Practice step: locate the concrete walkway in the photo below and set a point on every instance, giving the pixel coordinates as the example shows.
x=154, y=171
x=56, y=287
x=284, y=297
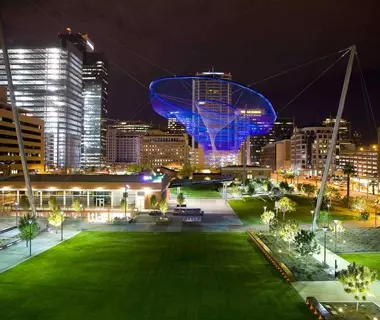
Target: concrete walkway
x=331, y=291
x=19, y=253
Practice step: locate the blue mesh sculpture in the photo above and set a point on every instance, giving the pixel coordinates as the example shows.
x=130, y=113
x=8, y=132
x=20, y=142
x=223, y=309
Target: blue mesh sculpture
x=219, y=114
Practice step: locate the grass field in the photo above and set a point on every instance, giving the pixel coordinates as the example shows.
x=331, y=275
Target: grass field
x=207, y=191
x=149, y=276
x=250, y=209
x=371, y=260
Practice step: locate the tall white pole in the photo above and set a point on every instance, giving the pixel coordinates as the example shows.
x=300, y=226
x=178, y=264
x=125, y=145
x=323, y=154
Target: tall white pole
x=16, y=120
x=334, y=135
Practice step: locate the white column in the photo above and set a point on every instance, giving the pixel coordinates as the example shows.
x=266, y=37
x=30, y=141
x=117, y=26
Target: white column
x=64, y=198
x=111, y=198
x=88, y=199
x=18, y=196
x=41, y=199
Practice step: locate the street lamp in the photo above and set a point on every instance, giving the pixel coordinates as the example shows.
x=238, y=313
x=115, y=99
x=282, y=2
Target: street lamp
x=16, y=205
x=61, y=226
x=30, y=221
x=265, y=208
x=335, y=228
x=125, y=200
x=328, y=214
x=324, y=253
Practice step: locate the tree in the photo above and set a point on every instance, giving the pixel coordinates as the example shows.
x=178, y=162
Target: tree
x=360, y=204
x=186, y=171
x=251, y=189
x=348, y=170
x=153, y=201
x=267, y=217
x=286, y=205
x=55, y=217
x=332, y=193
x=163, y=205
x=123, y=204
x=24, y=203
x=235, y=191
x=288, y=231
x=76, y=205
x=180, y=198
x=306, y=243
x=28, y=227
x=356, y=281
x=323, y=218
x=308, y=189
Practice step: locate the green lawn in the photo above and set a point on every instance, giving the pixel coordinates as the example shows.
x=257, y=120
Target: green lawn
x=371, y=260
x=207, y=191
x=249, y=210
x=149, y=276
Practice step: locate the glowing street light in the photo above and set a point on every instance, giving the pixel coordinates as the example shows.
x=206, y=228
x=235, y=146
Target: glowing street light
x=324, y=252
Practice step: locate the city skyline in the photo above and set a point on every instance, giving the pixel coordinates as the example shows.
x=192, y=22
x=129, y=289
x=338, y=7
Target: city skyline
x=249, y=56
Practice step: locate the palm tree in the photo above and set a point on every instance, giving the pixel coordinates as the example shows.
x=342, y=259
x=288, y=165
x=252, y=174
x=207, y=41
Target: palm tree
x=348, y=170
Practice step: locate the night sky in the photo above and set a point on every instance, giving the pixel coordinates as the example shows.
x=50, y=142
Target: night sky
x=251, y=39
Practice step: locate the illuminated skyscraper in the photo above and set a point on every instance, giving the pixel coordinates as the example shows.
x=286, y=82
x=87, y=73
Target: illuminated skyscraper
x=95, y=71
x=48, y=84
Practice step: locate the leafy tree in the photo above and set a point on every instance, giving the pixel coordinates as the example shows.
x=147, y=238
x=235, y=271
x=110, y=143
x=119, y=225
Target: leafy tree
x=274, y=226
x=76, y=205
x=187, y=170
x=288, y=231
x=364, y=216
x=306, y=243
x=286, y=205
x=55, y=217
x=360, y=204
x=123, y=204
x=28, y=227
x=24, y=203
x=324, y=204
x=163, y=205
x=267, y=217
x=308, y=189
x=235, y=191
x=356, y=281
x=153, y=201
x=251, y=189
x=348, y=170
x=180, y=198
x=332, y=194
x=323, y=218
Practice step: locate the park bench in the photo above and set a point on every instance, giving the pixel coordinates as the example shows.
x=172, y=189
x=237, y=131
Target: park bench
x=192, y=219
x=188, y=212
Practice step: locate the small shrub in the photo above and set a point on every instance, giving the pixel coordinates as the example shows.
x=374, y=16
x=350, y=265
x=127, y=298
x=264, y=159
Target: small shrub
x=306, y=243
x=364, y=216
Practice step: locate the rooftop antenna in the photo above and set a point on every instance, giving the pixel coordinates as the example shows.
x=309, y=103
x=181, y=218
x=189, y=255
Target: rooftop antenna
x=330, y=153
x=17, y=120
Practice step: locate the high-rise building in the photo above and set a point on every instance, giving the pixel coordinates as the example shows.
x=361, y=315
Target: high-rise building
x=217, y=95
x=122, y=147
x=309, y=147
x=95, y=74
x=33, y=135
x=344, y=131
x=95, y=71
x=175, y=127
x=357, y=137
x=138, y=127
x=48, y=84
x=159, y=148
x=281, y=130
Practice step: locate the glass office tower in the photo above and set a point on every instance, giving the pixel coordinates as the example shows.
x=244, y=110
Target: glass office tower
x=95, y=71
x=48, y=83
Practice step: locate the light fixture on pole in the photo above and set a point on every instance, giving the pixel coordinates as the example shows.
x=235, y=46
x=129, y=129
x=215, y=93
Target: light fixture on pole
x=328, y=214
x=324, y=252
x=335, y=229
x=61, y=226
x=30, y=221
x=265, y=208
x=16, y=205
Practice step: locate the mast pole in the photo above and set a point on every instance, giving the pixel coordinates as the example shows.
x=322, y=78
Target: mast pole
x=330, y=153
x=17, y=120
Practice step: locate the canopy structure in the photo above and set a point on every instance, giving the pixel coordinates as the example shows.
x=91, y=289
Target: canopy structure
x=219, y=114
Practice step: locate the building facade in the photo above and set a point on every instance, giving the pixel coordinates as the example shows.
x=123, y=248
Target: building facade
x=282, y=130
x=159, y=148
x=33, y=135
x=95, y=86
x=122, y=147
x=309, y=147
x=48, y=84
x=344, y=132
x=175, y=127
x=277, y=156
x=134, y=127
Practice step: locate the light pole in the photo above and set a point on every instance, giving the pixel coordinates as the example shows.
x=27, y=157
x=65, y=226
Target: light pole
x=324, y=252
x=265, y=208
x=125, y=200
x=82, y=215
x=30, y=221
x=328, y=214
x=61, y=226
x=16, y=205
x=336, y=233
